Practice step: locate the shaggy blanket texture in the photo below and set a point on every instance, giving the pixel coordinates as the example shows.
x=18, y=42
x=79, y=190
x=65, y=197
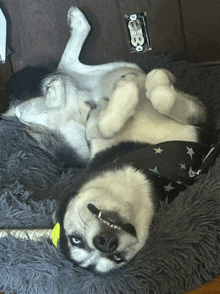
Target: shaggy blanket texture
x=182, y=251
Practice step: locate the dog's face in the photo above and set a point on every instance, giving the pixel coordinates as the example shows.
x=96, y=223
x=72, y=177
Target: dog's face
x=107, y=223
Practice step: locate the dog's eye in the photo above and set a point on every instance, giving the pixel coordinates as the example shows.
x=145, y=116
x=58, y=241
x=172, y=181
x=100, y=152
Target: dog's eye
x=76, y=241
x=117, y=258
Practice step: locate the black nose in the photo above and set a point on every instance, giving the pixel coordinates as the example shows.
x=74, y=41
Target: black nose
x=106, y=243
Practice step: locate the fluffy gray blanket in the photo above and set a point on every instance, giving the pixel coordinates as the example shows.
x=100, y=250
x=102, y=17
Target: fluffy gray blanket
x=183, y=249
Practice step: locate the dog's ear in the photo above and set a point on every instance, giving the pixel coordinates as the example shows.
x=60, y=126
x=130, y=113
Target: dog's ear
x=69, y=192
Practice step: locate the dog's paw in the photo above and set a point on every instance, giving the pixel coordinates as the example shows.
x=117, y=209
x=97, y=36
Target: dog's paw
x=77, y=20
x=122, y=105
x=160, y=90
x=99, y=124
x=163, y=98
x=92, y=130
x=55, y=93
x=108, y=125
x=158, y=77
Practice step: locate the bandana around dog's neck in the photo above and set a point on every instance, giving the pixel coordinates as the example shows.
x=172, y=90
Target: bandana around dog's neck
x=174, y=164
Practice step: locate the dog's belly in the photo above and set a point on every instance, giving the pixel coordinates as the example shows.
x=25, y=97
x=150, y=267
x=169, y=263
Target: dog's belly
x=147, y=126
x=88, y=83
x=99, y=81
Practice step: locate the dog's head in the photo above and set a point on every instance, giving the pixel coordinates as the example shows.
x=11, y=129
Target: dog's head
x=108, y=221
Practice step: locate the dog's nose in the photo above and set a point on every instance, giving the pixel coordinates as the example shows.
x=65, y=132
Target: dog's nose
x=106, y=243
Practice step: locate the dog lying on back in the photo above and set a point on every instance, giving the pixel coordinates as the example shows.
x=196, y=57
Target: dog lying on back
x=91, y=110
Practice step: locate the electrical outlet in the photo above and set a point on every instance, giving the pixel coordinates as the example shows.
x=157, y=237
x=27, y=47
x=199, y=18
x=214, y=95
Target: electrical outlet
x=138, y=33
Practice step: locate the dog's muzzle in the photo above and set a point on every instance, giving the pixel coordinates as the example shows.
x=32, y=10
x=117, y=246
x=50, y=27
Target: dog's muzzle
x=112, y=220
x=106, y=242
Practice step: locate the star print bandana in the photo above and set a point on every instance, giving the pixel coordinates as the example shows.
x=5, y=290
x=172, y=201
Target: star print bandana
x=174, y=164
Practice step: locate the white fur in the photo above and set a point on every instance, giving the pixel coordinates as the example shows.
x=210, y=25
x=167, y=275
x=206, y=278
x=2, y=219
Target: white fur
x=130, y=105
x=127, y=192
x=144, y=108
x=86, y=259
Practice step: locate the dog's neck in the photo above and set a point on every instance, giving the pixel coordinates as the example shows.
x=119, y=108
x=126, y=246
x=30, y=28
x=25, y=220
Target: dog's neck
x=171, y=165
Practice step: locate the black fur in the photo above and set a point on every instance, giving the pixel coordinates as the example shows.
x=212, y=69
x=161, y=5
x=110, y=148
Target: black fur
x=26, y=83
x=102, y=162
x=107, y=160
x=55, y=145
x=63, y=244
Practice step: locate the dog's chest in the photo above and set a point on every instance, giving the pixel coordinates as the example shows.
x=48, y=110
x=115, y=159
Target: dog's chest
x=101, y=82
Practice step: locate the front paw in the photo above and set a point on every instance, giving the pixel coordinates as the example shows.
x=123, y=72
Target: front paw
x=108, y=125
x=77, y=20
x=160, y=90
x=158, y=77
x=163, y=98
x=92, y=129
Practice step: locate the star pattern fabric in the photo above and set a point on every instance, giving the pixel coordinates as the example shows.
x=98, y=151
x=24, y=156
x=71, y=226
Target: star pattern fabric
x=183, y=166
x=190, y=152
x=158, y=150
x=169, y=187
x=174, y=165
x=155, y=170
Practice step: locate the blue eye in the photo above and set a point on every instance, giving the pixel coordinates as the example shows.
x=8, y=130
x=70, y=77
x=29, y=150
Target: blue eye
x=117, y=258
x=76, y=241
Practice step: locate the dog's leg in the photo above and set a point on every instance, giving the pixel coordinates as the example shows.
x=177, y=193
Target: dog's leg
x=121, y=106
x=177, y=105
x=79, y=31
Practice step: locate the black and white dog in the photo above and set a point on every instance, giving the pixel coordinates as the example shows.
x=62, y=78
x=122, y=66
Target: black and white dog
x=102, y=113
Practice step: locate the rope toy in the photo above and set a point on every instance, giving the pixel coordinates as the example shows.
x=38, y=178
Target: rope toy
x=56, y=234
x=34, y=234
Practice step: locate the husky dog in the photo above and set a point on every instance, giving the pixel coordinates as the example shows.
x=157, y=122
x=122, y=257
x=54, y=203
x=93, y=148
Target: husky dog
x=105, y=218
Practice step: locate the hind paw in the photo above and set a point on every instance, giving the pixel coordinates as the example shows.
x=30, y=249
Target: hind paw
x=163, y=99
x=77, y=20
